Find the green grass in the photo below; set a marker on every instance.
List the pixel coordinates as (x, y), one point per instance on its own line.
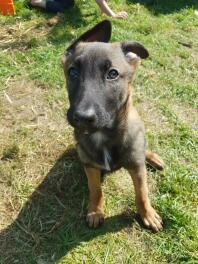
(43, 189)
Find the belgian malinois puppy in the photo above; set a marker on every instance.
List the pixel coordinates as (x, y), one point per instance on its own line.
(108, 130)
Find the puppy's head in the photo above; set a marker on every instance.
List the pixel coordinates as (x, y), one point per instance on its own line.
(98, 75)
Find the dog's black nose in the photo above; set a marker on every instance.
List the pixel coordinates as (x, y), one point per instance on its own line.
(87, 116)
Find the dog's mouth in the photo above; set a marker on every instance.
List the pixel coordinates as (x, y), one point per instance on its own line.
(88, 130)
(85, 130)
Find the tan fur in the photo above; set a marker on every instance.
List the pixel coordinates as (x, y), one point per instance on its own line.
(95, 214)
(154, 160)
(148, 214)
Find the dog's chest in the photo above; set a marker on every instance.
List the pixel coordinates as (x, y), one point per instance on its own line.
(107, 154)
(99, 139)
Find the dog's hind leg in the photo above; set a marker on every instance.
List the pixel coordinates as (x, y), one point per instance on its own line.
(154, 160)
(95, 215)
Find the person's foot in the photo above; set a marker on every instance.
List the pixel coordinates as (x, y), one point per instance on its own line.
(38, 3)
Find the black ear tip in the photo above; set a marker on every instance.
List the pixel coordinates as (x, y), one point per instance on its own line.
(144, 54)
(100, 32)
(106, 26)
(106, 23)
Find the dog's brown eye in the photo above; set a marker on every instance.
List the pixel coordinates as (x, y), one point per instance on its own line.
(112, 74)
(73, 72)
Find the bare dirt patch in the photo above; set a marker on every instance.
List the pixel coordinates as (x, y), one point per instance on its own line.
(24, 105)
(32, 138)
(188, 115)
(152, 117)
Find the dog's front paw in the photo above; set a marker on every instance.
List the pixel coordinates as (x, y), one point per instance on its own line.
(94, 219)
(151, 219)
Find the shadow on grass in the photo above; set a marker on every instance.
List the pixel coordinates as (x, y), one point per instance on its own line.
(63, 31)
(69, 21)
(165, 6)
(52, 222)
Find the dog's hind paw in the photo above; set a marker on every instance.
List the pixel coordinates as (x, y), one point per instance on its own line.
(95, 219)
(154, 160)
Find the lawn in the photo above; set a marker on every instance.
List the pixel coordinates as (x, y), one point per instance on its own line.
(43, 189)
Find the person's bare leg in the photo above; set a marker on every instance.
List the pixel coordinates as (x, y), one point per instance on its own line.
(147, 212)
(105, 8)
(95, 215)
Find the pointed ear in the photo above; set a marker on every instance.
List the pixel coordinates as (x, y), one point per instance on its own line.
(133, 49)
(101, 33)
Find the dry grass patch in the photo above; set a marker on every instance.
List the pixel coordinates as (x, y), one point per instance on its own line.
(23, 36)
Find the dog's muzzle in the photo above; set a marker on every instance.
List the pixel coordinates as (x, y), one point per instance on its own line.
(89, 119)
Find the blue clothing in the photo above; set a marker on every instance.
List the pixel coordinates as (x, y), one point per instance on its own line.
(59, 5)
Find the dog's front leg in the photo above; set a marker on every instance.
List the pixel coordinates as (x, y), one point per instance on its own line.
(147, 212)
(95, 215)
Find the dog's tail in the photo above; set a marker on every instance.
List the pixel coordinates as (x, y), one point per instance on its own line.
(154, 160)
